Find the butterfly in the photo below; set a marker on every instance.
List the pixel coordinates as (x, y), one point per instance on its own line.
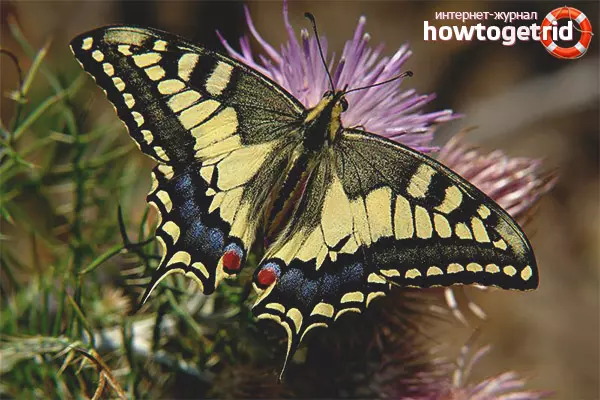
(345, 214)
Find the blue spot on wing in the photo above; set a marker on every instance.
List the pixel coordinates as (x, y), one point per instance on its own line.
(189, 210)
(195, 232)
(352, 273)
(330, 284)
(203, 234)
(213, 242)
(184, 186)
(309, 291)
(290, 281)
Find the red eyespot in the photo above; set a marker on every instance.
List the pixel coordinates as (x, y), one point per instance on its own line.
(266, 276)
(231, 260)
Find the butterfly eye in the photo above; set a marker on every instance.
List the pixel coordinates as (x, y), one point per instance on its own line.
(344, 104)
(327, 93)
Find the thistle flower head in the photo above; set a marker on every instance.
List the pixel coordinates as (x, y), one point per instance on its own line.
(507, 385)
(386, 110)
(443, 379)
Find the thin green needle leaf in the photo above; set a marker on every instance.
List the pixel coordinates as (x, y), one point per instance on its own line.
(58, 318)
(184, 315)
(113, 251)
(16, 32)
(5, 214)
(81, 318)
(47, 104)
(35, 65)
(142, 231)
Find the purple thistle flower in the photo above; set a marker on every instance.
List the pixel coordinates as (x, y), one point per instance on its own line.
(443, 379)
(506, 386)
(385, 110)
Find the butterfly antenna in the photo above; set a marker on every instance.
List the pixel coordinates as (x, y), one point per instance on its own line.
(400, 76)
(311, 18)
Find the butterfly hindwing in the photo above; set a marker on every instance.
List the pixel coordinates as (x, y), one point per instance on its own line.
(192, 240)
(375, 213)
(209, 211)
(220, 132)
(320, 274)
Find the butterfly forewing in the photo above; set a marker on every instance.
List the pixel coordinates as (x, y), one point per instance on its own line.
(376, 213)
(178, 99)
(443, 229)
(220, 132)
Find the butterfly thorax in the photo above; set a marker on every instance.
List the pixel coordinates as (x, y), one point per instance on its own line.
(322, 124)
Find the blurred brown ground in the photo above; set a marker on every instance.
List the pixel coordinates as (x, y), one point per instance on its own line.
(523, 101)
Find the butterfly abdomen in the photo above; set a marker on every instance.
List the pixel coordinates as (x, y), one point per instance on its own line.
(288, 194)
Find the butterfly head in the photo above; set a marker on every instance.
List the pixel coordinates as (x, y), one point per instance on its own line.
(338, 96)
(327, 114)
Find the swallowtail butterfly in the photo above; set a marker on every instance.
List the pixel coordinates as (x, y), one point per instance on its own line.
(346, 213)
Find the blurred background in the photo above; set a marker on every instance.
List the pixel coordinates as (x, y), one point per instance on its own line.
(520, 99)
